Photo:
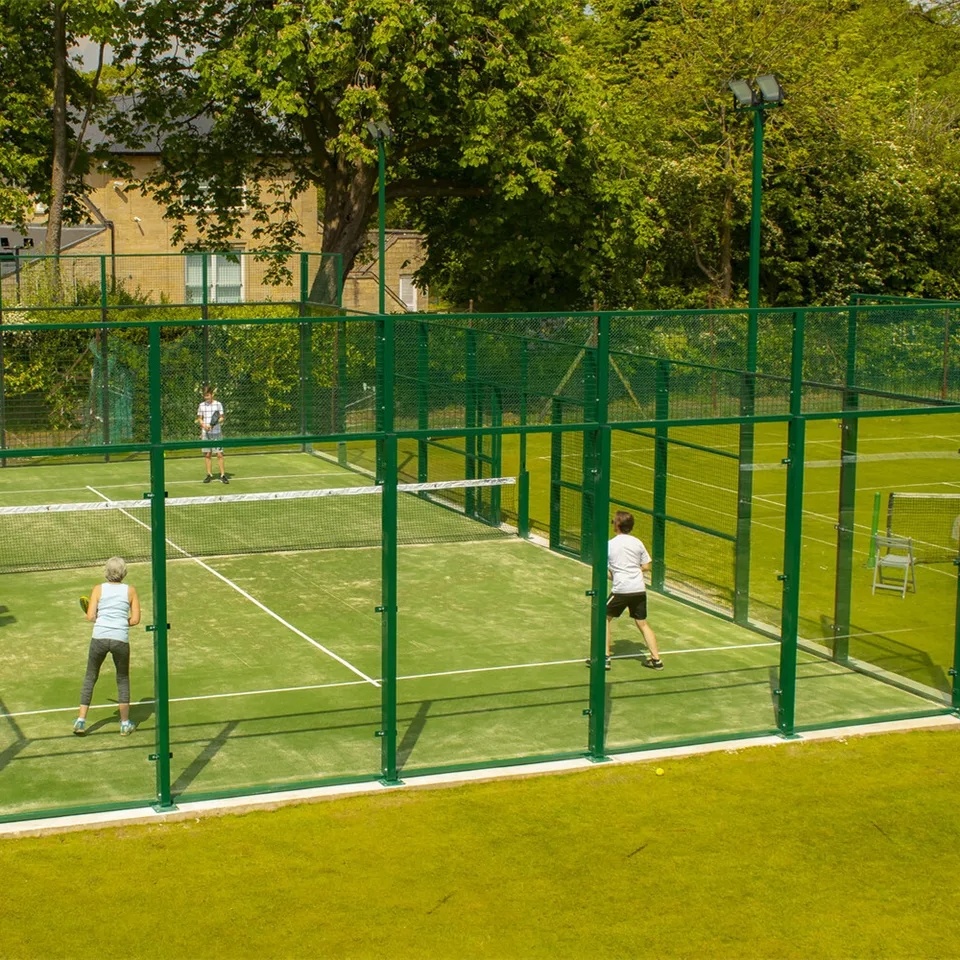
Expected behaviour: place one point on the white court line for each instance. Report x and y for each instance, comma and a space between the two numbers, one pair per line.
132, 484
243, 593
412, 676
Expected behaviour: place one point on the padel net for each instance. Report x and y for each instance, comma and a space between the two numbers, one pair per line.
67, 535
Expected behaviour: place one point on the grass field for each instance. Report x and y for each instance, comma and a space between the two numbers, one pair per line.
836, 850
275, 658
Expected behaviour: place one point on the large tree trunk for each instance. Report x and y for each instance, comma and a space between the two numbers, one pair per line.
726, 250
58, 173
58, 176
349, 201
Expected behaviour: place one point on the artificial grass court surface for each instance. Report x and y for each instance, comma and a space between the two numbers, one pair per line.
275, 661
828, 849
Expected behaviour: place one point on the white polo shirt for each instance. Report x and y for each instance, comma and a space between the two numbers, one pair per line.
626, 556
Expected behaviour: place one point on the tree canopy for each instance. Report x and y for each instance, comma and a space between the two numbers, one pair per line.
554, 155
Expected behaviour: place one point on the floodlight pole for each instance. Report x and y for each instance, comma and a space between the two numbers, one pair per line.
381, 132
757, 97
756, 202
382, 219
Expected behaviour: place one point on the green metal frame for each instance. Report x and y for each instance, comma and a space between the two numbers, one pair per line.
482, 434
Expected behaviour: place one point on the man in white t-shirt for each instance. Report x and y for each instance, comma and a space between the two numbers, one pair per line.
210, 419
627, 561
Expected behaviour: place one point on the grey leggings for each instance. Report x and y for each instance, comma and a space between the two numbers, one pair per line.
99, 649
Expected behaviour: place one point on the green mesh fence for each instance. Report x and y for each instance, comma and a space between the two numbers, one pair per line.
334, 640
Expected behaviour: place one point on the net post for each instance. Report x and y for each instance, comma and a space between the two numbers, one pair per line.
874, 530
158, 563
523, 504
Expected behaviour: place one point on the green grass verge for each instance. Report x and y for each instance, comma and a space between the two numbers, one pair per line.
830, 849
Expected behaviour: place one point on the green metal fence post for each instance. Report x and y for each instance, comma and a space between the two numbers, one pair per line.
3, 399
158, 562
792, 540
306, 377
849, 427
523, 476
423, 398
955, 670
305, 282
591, 448
556, 473
660, 463
104, 360
388, 563
472, 418
340, 402
741, 597
599, 483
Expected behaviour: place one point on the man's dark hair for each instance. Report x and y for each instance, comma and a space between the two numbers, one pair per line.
623, 521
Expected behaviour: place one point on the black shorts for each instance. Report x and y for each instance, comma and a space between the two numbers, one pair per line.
636, 603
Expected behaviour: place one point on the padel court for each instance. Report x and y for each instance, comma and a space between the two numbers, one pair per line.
406, 572
274, 658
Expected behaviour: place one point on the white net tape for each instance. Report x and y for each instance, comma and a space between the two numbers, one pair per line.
142, 504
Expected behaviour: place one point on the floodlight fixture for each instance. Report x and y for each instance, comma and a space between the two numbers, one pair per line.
379, 129
770, 89
744, 95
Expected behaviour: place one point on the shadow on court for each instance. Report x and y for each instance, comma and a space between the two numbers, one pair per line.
6, 617
630, 648
414, 730
889, 654
19, 742
212, 748
140, 712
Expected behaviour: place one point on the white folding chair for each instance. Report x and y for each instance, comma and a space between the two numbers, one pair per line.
894, 568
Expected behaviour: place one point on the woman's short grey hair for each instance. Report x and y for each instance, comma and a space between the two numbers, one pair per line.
115, 570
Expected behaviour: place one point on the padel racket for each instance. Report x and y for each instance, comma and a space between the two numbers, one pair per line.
84, 604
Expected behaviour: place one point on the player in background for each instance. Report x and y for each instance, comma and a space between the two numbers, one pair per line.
627, 562
210, 419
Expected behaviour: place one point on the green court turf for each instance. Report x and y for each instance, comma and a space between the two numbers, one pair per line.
275, 669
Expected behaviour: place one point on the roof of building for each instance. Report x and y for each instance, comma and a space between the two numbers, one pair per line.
18, 246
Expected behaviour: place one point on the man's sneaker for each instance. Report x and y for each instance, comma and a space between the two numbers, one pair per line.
208, 478
127, 727
79, 727
606, 663
654, 663
223, 478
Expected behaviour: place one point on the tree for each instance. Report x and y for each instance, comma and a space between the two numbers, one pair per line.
49, 100
854, 161
475, 91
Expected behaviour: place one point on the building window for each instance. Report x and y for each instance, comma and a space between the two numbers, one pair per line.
224, 277
408, 292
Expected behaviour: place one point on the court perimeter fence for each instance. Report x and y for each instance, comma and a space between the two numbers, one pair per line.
632, 411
